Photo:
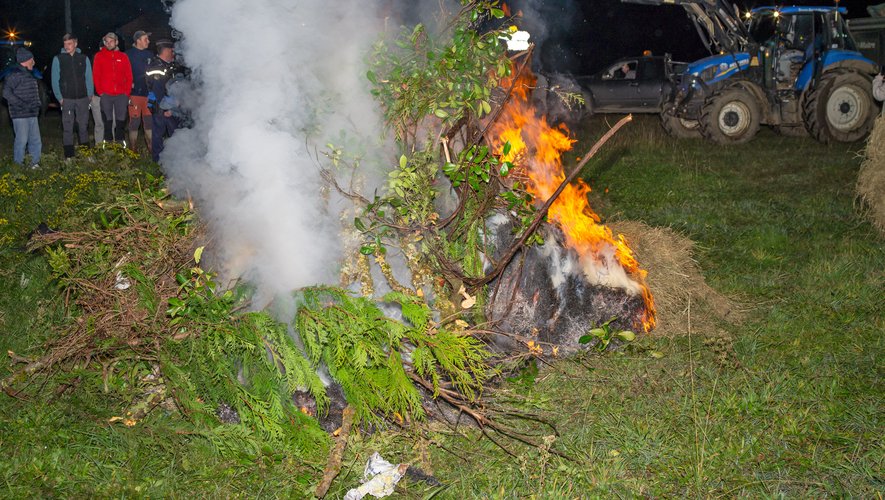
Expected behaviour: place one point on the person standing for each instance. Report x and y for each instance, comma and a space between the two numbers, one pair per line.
139, 113
72, 86
113, 83
97, 120
158, 75
22, 94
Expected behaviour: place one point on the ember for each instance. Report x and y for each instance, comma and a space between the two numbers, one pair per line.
606, 261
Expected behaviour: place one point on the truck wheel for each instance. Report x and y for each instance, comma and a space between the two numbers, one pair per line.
730, 117
679, 128
841, 108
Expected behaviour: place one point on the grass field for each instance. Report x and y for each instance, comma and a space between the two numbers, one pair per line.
788, 403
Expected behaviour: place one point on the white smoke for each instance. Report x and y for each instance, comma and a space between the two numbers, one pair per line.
276, 79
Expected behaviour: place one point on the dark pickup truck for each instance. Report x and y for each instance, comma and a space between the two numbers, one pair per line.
631, 85
638, 85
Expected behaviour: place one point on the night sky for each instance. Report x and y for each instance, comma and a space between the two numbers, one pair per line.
43, 22
578, 36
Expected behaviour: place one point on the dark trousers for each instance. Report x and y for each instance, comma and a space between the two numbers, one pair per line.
164, 126
74, 111
114, 112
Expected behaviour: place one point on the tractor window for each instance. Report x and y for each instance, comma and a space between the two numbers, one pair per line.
763, 27
800, 32
840, 38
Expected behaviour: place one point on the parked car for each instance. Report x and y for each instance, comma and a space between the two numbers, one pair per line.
638, 85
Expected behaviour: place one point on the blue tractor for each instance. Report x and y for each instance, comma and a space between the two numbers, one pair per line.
796, 69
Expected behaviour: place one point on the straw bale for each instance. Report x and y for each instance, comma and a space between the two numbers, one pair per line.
682, 296
871, 179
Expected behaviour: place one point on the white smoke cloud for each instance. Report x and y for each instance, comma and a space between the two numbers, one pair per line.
276, 79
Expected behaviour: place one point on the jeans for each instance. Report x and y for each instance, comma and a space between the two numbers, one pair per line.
27, 133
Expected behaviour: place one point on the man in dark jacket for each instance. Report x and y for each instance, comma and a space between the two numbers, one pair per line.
139, 113
72, 86
113, 82
22, 93
158, 74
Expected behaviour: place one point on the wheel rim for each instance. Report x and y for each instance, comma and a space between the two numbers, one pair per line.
846, 108
734, 118
688, 124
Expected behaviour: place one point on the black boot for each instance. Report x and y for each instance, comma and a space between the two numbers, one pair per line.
120, 132
69, 151
108, 130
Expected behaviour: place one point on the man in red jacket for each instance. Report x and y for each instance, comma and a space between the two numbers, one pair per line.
113, 82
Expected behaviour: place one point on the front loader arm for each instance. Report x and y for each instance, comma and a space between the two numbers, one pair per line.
718, 23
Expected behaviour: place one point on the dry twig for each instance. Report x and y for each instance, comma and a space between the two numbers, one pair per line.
333, 466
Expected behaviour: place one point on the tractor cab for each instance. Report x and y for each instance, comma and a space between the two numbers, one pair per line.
796, 43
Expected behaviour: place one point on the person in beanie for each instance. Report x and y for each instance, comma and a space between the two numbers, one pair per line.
72, 86
158, 75
113, 83
139, 113
22, 94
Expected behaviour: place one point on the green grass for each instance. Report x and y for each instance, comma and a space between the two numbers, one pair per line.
791, 404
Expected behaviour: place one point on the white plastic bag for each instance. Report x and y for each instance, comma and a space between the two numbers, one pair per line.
379, 478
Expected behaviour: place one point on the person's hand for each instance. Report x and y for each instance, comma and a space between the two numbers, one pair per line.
167, 113
61, 102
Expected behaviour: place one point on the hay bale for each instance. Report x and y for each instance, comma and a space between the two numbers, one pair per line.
871, 179
681, 294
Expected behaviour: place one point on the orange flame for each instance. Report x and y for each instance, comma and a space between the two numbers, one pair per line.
536, 148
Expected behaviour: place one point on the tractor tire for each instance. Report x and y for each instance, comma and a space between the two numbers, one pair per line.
841, 108
679, 128
730, 117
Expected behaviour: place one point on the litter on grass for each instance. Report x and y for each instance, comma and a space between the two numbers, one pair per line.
379, 478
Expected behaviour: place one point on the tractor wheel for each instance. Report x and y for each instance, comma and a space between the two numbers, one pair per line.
679, 128
841, 108
730, 117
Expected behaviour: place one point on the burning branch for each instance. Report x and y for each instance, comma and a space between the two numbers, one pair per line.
542, 212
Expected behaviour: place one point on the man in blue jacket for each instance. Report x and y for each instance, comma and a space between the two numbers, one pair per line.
159, 73
139, 113
22, 94
72, 86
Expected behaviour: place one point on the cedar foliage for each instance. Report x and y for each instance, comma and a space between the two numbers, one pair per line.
369, 354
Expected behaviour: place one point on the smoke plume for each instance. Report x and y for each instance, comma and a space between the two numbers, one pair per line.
273, 82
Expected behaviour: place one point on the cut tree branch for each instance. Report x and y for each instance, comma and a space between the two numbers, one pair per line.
333, 466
